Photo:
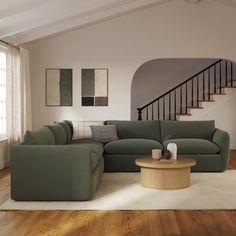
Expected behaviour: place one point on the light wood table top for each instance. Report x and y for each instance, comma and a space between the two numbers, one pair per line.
181, 162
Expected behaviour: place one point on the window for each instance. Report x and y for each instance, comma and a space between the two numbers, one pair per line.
3, 118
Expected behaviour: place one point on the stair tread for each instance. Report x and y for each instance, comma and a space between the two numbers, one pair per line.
217, 93
195, 107
206, 100
183, 114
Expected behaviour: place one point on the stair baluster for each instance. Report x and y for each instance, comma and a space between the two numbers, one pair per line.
231, 70
226, 74
164, 115
215, 79
169, 106
220, 78
209, 84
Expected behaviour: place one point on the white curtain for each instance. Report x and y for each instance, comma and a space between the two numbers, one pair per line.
26, 120
18, 96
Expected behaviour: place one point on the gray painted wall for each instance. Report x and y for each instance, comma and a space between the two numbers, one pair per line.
156, 77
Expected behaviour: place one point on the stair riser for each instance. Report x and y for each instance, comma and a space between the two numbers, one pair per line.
207, 105
229, 83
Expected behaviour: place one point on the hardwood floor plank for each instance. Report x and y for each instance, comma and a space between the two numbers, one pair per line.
209, 218
155, 224
114, 223
13, 223
45, 221
28, 223
163, 223
231, 215
4, 185
86, 221
225, 225
190, 223
129, 223
169, 223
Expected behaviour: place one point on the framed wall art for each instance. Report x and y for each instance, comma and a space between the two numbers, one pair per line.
94, 87
58, 87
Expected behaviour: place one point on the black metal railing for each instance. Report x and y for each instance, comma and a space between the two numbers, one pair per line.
190, 93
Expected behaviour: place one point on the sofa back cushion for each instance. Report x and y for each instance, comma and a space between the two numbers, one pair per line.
69, 122
43, 136
67, 129
137, 129
187, 129
59, 133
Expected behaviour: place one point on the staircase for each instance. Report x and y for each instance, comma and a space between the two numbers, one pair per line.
198, 92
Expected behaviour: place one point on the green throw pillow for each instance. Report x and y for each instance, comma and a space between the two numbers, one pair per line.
43, 136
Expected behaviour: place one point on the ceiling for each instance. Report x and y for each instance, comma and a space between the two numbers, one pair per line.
26, 20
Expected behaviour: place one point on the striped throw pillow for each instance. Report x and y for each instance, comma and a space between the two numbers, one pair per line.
104, 134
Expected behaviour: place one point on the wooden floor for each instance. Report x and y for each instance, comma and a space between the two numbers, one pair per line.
112, 223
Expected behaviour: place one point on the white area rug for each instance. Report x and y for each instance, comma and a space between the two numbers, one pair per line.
122, 191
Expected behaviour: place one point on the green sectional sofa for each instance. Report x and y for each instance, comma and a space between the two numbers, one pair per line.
50, 166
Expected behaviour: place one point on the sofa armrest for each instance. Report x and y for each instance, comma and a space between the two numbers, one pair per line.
50, 172
222, 139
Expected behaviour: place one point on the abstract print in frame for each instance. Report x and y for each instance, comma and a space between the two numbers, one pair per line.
94, 87
58, 87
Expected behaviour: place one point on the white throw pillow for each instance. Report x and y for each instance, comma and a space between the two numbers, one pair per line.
82, 129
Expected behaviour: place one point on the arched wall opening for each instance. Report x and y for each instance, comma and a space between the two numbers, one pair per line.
155, 77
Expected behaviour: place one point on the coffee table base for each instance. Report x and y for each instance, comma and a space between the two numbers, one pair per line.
165, 178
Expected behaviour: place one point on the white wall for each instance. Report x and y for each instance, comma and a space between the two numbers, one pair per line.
172, 30
222, 111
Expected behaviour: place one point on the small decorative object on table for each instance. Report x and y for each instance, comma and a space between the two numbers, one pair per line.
156, 154
172, 147
166, 154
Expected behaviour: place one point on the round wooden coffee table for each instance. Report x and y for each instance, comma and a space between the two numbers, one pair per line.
174, 174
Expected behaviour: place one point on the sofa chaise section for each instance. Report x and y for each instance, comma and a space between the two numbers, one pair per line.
55, 172
199, 140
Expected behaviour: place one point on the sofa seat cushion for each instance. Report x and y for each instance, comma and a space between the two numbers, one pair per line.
194, 146
132, 146
95, 148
